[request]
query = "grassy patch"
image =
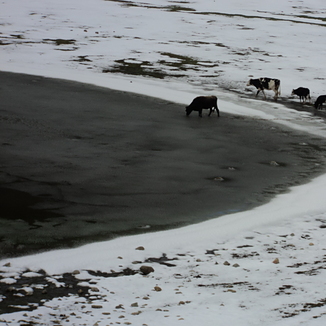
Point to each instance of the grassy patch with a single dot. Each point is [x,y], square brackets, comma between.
[82,58]
[209,13]
[172,66]
[4,43]
[178,8]
[60,41]
[17,36]
[135,68]
[185,63]
[173,8]
[144,68]
[183,60]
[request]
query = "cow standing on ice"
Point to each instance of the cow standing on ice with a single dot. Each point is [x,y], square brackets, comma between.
[266,83]
[303,93]
[203,102]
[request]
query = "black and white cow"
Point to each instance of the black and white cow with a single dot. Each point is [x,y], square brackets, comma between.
[319,102]
[266,83]
[203,102]
[303,93]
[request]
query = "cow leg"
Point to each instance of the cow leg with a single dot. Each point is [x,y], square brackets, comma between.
[262,92]
[217,111]
[210,111]
[276,95]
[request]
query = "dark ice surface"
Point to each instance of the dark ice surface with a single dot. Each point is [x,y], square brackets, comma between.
[81,163]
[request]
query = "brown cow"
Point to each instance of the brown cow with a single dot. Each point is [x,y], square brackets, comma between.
[203,102]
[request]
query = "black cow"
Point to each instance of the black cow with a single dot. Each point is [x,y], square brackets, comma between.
[319,102]
[266,83]
[203,102]
[303,93]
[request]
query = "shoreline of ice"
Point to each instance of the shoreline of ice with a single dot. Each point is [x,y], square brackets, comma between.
[231,222]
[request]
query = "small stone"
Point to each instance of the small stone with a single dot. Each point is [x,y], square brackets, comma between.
[226,263]
[140,248]
[135,304]
[276,261]
[97,306]
[95,289]
[136,313]
[311,244]
[157,288]
[236,265]
[75,272]
[182,303]
[7,265]
[274,163]
[146,269]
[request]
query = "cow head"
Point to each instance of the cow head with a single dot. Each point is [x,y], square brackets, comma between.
[249,82]
[188,110]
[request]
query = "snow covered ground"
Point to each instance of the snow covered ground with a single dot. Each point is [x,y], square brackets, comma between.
[261,267]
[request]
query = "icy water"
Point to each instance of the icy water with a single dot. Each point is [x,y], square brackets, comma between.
[81,163]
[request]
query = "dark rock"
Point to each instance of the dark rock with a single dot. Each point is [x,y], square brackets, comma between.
[146,269]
